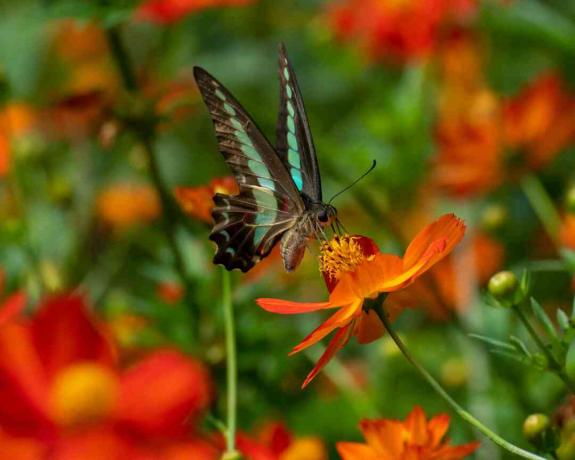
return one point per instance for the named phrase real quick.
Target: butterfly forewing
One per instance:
(294, 143)
(248, 225)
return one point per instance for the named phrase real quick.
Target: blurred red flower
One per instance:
(275, 442)
(355, 270)
(414, 439)
(64, 392)
(396, 30)
(169, 11)
(197, 201)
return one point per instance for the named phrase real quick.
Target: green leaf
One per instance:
(570, 361)
(544, 319)
(520, 346)
(498, 344)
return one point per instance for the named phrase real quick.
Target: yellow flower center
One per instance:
(83, 393)
(339, 255)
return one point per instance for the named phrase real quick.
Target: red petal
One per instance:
(12, 306)
(338, 342)
(163, 392)
(65, 332)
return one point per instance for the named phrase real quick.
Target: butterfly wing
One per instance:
(248, 225)
(294, 143)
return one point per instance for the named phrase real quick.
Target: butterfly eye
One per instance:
(322, 216)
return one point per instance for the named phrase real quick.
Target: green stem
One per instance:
(543, 206)
(377, 306)
(231, 364)
(553, 363)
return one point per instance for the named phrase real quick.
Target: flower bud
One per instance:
(232, 456)
(534, 426)
(538, 430)
(504, 287)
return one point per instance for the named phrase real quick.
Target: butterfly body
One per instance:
(280, 188)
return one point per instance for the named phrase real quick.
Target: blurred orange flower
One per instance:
(468, 133)
(169, 11)
(355, 270)
(275, 442)
(64, 392)
(122, 205)
(81, 104)
(540, 120)
(414, 439)
(197, 202)
(396, 30)
(17, 120)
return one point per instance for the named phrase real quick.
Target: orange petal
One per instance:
(337, 343)
(416, 424)
(181, 389)
(368, 327)
(286, 307)
(448, 227)
(356, 451)
(437, 427)
(339, 319)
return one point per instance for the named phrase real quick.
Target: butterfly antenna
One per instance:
(371, 168)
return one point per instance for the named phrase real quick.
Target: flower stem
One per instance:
(377, 306)
(231, 365)
(553, 363)
(543, 206)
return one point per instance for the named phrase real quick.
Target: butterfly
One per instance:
(280, 196)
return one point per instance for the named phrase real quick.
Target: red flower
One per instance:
(275, 442)
(355, 270)
(395, 29)
(414, 439)
(63, 390)
(169, 11)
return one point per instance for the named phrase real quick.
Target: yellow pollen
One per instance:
(83, 393)
(339, 255)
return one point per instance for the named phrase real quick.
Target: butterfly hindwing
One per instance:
(248, 225)
(294, 142)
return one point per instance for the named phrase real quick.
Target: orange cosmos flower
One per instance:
(197, 201)
(396, 30)
(540, 119)
(414, 439)
(122, 205)
(355, 270)
(567, 231)
(170, 11)
(17, 120)
(65, 394)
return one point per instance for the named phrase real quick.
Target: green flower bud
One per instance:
(504, 287)
(566, 450)
(534, 426)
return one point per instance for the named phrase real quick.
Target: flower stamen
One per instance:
(340, 255)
